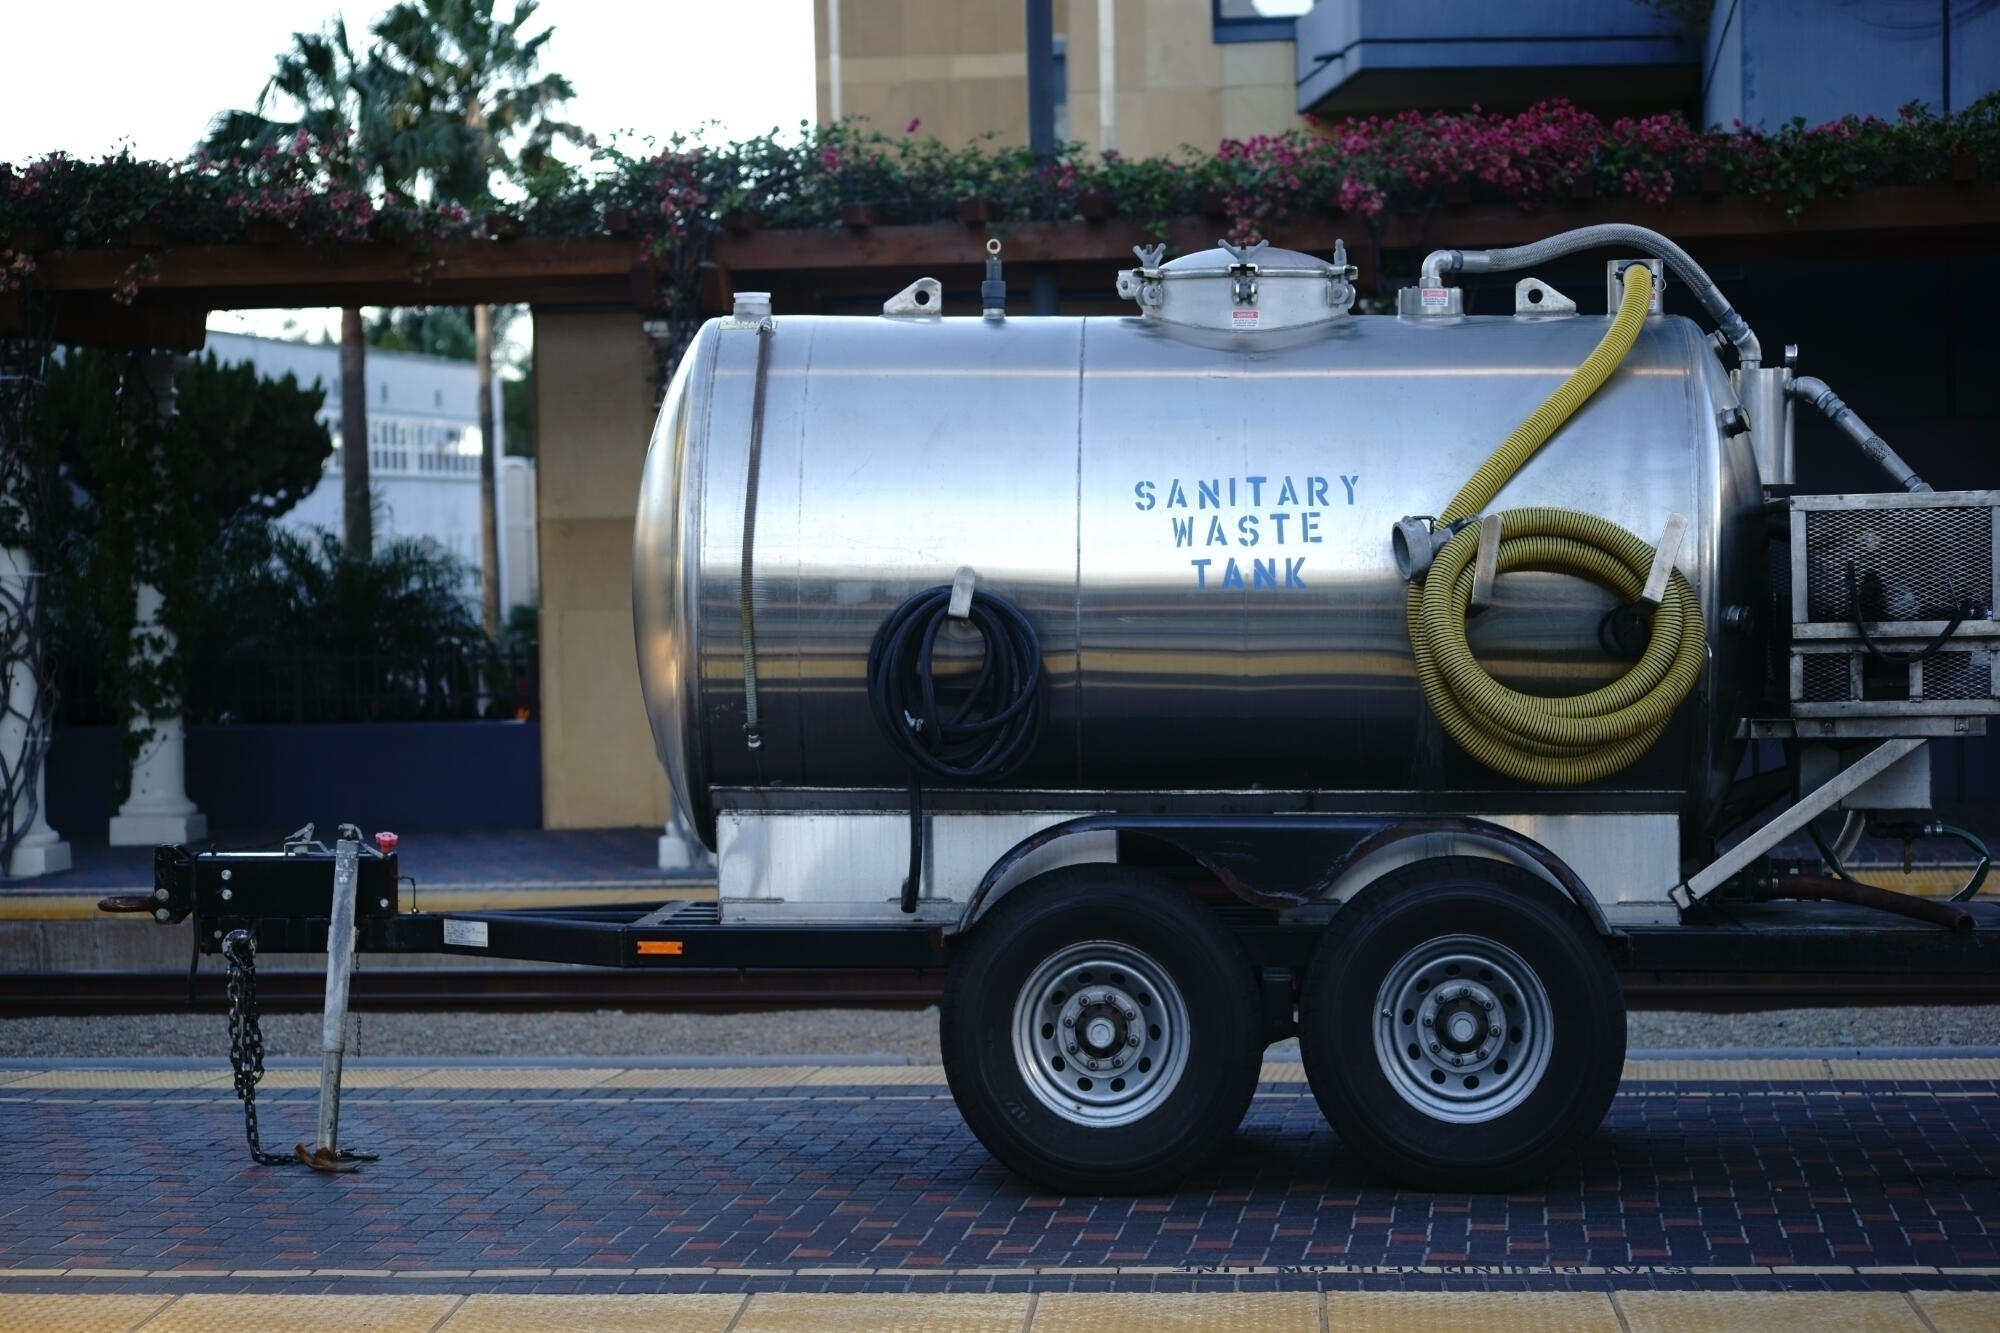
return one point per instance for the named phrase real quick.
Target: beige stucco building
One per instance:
(593, 416)
(1142, 76)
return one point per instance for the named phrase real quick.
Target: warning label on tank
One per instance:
(1209, 520)
(1242, 320)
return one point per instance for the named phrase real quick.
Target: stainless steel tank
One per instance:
(1194, 509)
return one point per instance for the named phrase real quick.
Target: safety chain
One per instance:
(246, 1038)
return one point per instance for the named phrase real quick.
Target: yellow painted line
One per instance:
(599, 1314)
(789, 1312)
(1487, 1311)
(1960, 1311)
(1181, 1312)
(1768, 1312)
(76, 1314)
(1282, 1071)
(303, 1314)
(81, 904)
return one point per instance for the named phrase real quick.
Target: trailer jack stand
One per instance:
(327, 1155)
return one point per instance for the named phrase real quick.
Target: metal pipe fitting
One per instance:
(1816, 392)
(1748, 351)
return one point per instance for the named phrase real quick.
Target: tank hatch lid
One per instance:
(1243, 288)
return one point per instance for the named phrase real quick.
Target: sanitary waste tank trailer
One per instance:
(1182, 681)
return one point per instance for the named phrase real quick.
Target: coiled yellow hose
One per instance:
(1573, 739)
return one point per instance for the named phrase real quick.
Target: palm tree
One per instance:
(322, 79)
(461, 105)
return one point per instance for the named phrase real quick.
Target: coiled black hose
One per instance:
(986, 731)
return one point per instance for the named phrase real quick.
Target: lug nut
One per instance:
(1493, 1031)
(1132, 1040)
(1481, 1055)
(1435, 1048)
(1487, 1004)
(1069, 1020)
(1091, 1063)
(1427, 1021)
(1458, 1059)
(1071, 1048)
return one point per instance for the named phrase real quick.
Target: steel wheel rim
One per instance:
(1100, 1034)
(1463, 1028)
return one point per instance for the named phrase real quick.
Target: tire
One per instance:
(1462, 944)
(1169, 996)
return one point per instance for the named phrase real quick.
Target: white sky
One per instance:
(87, 76)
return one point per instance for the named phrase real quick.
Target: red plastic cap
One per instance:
(386, 841)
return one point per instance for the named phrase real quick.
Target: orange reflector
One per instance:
(660, 946)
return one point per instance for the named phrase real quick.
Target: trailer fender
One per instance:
(1286, 861)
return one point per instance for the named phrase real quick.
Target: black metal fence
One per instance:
(452, 682)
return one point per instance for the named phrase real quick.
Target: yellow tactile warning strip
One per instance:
(808, 1078)
(1774, 1312)
(1217, 1312)
(1960, 1311)
(1914, 1070)
(76, 1314)
(901, 1312)
(762, 1076)
(598, 1314)
(1722, 1071)
(125, 1078)
(509, 1078)
(1498, 1311)
(1049, 1312)
(303, 1314)
(349, 1078)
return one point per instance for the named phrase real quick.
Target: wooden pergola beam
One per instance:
(837, 263)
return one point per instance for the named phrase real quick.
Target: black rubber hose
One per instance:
(985, 730)
(1959, 610)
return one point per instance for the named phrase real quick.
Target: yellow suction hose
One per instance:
(1561, 741)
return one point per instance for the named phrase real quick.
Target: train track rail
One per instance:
(25, 994)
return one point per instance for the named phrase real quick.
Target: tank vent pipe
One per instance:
(1734, 327)
(1817, 393)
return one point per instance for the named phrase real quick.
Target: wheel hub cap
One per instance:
(1464, 1028)
(1100, 1033)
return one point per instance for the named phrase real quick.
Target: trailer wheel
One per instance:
(1462, 1025)
(1101, 1031)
